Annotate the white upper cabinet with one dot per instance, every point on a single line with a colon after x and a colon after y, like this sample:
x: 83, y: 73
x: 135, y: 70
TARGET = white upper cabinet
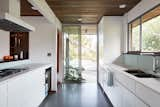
x: 110, y: 32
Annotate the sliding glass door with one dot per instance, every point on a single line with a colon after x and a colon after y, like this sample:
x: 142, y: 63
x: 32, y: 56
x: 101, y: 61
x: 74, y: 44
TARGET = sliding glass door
x: 89, y: 52
x: 80, y: 51
x: 72, y: 35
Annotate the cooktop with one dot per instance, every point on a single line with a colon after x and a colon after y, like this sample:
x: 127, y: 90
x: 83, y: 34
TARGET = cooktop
x: 7, y: 72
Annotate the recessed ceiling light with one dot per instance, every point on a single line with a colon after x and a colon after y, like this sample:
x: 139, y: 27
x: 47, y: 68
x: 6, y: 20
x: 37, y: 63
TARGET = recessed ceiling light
x: 79, y: 19
x: 34, y: 8
x: 122, y: 6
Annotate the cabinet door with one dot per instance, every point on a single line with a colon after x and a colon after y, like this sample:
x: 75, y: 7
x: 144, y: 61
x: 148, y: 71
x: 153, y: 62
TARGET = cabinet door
x: 115, y: 93
x: 118, y: 93
x: 148, y: 95
x: 139, y: 103
x: 130, y: 100
x: 27, y: 90
x: 17, y: 89
x: 3, y: 94
x: 38, y: 86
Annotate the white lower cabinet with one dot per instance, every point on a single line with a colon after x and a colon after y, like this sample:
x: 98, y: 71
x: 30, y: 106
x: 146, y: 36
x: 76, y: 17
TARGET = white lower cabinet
x: 119, y: 95
x: 130, y: 100
x: 38, y: 86
x: 148, y: 95
x: 114, y: 93
x: 27, y: 90
x: 17, y: 92
x: 3, y: 94
x: 139, y: 103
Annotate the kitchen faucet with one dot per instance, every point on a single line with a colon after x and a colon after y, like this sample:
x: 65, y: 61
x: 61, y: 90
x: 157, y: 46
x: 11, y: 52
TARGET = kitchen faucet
x: 156, y: 65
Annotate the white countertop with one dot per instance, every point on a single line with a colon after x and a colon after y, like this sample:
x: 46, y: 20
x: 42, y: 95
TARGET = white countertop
x: 29, y: 67
x: 152, y: 83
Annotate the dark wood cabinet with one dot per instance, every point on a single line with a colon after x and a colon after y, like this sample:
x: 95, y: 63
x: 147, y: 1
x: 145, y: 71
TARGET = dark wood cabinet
x: 19, y: 44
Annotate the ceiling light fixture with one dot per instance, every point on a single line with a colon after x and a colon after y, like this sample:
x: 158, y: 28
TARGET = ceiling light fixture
x: 122, y: 6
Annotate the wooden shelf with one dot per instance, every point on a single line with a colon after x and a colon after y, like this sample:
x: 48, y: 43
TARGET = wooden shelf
x: 19, y: 41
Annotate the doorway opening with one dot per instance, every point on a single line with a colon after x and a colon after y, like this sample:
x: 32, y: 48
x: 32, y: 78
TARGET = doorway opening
x: 80, y: 53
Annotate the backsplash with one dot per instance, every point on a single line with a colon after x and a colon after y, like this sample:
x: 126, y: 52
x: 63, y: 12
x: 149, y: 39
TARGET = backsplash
x: 140, y: 61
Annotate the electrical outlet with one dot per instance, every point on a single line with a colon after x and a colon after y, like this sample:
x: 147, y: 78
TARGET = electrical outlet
x: 49, y: 54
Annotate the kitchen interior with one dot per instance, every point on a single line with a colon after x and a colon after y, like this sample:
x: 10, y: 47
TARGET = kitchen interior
x: 32, y: 62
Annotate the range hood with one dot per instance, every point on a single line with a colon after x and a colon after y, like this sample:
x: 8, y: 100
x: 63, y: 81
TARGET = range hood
x: 10, y: 19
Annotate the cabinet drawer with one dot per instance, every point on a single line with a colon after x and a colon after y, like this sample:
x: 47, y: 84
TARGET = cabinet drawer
x: 140, y: 103
x: 125, y: 81
x: 148, y: 95
x: 130, y: 100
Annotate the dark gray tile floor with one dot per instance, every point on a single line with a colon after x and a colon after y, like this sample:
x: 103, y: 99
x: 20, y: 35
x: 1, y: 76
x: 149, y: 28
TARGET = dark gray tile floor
x: 77, y: 95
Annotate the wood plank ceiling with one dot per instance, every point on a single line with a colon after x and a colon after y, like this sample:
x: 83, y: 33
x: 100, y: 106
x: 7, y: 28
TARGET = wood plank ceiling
x: 90, y: 11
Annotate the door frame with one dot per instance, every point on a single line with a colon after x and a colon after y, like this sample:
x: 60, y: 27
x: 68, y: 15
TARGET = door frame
x: 97, y: 49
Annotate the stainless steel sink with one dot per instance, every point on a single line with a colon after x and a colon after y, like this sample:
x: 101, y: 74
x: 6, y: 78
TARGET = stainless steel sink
x: 140, y: 73
x: 131, y: 71
x: 146, y: 76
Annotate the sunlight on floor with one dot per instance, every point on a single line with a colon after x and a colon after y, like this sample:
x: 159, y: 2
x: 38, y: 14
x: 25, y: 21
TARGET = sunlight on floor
x: 90, y: 76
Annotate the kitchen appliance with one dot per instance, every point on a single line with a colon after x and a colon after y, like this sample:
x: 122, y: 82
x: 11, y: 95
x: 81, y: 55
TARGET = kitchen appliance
x: 48, y: 80
x: 10, y: 71
x: 10, y: 19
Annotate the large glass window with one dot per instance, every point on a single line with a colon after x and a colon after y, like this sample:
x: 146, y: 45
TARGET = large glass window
x: 146, y: 27
x: 134, y: 41
x: 151, y: 31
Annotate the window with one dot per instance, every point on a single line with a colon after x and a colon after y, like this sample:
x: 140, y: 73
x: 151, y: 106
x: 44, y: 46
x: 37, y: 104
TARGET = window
x: 134, y: 41
x: 144, y: 33
x: 151, y: 31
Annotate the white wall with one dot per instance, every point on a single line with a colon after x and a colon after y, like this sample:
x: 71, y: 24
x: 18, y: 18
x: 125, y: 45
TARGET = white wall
x: 4, y: 43
x: 42, y: 41
x: 110, y: 27
x: 138, y: 10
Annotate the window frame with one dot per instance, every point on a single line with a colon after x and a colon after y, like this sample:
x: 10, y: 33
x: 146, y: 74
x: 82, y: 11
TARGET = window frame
x: 140, y: 35
x: 140, y: 41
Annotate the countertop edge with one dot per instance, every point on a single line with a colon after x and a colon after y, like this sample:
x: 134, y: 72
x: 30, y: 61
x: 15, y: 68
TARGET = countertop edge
x: 36, y: 66
x: 143, y: 81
